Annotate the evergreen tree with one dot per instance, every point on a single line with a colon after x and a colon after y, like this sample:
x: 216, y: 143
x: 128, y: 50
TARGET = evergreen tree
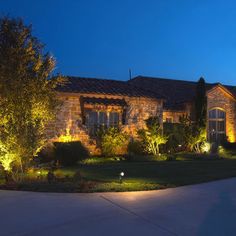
x: 201, y: 104
x: 28, y: 98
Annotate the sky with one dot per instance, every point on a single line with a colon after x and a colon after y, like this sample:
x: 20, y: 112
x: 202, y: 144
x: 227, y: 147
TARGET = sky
x: 178, y: 39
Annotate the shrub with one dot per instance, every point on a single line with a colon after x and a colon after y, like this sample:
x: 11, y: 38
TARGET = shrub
x: 152, y: 137
x: 70, y: 153
x: 190, y: 136
x: 135, y: 148
x: 47, y: 154
x: 113, y: 142
x: 174, y: 132
x: 228, y: 153
x: 229, y: 146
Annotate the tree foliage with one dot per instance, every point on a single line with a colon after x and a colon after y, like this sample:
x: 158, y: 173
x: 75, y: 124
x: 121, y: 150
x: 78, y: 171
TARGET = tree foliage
x: 201, y: 104
x: 152, y: 137
x: 113, y: 141
x: 194, y: 137
x: 28, y: 100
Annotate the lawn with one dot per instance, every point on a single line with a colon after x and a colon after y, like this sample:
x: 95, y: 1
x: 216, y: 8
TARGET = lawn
x: 156, y: 175
x: 138, y: 176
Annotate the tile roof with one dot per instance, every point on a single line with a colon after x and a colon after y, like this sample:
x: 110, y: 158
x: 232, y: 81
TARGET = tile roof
x: 104, y: 101
x: 104, y: 86
x: 176, y: 92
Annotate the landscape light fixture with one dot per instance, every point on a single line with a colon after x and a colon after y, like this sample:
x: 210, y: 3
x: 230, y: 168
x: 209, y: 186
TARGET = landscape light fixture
x: 121, y: 176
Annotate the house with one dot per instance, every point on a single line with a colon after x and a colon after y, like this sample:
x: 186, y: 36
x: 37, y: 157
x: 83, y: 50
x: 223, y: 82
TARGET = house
x: 89, y: 103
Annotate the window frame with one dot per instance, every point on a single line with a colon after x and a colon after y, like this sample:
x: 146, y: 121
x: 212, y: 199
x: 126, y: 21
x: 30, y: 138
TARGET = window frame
x: 103, y: 120
x: 217, y: 134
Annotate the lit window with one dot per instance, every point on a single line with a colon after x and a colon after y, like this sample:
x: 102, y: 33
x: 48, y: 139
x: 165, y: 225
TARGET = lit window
x: 216, y: 125
x: 96, y: 120
x: 113, y: 119
x: 102, y: 118
x: 169, y: 120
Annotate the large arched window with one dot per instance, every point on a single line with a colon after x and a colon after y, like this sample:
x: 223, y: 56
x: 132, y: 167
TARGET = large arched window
x: 216, y: 125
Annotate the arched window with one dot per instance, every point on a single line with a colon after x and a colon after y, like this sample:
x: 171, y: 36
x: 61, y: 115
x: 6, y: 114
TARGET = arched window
x: 216, y: 125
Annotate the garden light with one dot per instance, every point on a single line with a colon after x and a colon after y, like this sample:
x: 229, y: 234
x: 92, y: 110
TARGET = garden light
x: 121, y: 176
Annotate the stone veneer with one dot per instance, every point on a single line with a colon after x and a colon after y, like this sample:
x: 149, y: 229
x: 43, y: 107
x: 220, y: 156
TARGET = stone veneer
x: 173, y: 115
x: 69, y: 122
x: 219, y: 98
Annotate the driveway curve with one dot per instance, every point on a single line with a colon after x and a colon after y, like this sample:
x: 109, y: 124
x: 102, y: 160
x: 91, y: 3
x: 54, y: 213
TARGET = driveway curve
x: 203, y: 209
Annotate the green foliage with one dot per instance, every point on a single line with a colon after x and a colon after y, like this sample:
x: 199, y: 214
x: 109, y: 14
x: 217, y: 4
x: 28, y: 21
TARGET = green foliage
x: 194, y: 137
x: 28, y: 98
x: 175, y: 134
x: 152, y: 137
x: 201, y: 104
x: 46, y: 154
x: 113, y: 142
x: 227, y: 151
x: 70, y: 153
x: 7, y: 159
x: 101, y: 160
x: 135, y: 147
x: 197, y: 140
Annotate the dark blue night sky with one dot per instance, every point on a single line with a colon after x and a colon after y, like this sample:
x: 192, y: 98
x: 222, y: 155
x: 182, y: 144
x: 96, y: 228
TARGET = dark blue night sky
x: 179, y: 39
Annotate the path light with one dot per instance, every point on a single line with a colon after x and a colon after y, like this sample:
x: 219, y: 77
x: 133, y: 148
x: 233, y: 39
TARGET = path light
x: 121, y: 176
x: 38, y: 174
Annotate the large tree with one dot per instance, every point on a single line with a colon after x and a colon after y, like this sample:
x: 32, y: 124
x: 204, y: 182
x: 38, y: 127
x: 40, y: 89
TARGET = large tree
x: 201, y: 104
x: 27, y: 95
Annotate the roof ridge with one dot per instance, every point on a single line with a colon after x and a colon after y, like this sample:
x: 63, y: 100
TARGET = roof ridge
x: 161, y: 78
x: 170, y: 79
x: 105, y: 86
x: 93, y: 78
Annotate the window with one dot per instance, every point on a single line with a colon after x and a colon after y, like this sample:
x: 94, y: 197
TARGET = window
x: 113, y: 119
x: 101, y: 119
x: 169, y: 120
x: 216, y: 125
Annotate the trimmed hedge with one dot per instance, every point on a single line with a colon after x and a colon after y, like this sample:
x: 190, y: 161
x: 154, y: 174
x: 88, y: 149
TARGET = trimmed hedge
x: 69, y: 153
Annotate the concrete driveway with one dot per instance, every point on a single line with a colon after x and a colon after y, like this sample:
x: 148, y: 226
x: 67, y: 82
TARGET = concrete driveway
x: 203, y: 209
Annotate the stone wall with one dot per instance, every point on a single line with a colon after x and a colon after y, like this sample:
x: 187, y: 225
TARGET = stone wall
x: 173, y: 115
x: 219, y: 98
x: 68, y: 125
x: 139, y: 110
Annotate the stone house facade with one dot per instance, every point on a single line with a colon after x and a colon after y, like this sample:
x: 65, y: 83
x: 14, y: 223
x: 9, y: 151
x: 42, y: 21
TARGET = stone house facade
x: 88, y: 104
x: 179, y: 99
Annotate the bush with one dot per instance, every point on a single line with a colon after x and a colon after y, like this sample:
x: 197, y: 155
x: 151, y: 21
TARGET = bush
x: 226, y: 152
x: 174, y: 132
x: 113, y: 142
x: 152, y: 137
x: 70, y: 153
x: 47, y: 154
x: 229, y: 146
x: 135, y: 147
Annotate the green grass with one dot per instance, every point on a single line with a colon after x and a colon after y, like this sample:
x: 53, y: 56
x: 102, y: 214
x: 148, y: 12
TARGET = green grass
x: 138, y: 175
x: 175, y: 173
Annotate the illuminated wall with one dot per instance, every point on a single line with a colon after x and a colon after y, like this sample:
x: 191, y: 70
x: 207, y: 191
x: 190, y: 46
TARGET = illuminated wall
x: 173, y: 116
x: 219, y: 98
x: 69, y: 124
